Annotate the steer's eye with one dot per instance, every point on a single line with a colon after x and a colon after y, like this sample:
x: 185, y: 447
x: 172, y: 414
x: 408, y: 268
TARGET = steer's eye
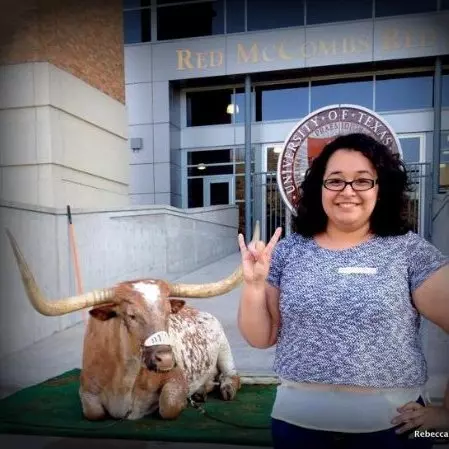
x: 132, y: 316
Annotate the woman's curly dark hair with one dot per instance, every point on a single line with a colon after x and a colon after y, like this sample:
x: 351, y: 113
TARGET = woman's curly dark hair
x: 388, y: 217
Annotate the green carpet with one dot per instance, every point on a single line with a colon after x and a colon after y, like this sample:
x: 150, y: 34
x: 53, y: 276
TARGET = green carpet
x: 53, y: 408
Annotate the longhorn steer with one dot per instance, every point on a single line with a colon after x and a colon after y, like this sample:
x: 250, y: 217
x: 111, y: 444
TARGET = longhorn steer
x: 144, y: 349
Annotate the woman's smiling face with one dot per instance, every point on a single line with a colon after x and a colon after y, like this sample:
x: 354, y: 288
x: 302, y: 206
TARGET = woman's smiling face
x: 349, y: 209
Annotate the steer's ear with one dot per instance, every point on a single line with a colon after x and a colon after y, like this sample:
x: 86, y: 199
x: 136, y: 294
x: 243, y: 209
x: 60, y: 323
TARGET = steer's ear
x: 176, y: 305
x: 103, y: 313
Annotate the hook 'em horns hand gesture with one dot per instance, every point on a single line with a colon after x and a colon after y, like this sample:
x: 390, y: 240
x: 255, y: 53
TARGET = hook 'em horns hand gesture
x: 256, y: 258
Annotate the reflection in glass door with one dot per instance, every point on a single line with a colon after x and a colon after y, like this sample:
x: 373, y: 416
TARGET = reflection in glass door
x: 218, y: 190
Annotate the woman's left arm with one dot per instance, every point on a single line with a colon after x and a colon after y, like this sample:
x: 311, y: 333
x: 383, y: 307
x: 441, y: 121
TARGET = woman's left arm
x: 431, y: 298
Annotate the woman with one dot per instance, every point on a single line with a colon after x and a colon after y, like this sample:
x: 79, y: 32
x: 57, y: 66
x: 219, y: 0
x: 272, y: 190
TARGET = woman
x: 341, y: 298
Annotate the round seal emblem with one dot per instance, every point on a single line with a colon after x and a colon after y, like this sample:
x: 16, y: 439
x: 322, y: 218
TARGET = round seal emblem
x: 311, y: 134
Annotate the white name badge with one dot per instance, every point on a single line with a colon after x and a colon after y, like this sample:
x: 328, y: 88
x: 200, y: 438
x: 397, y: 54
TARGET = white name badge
x: 357, y: 270
x: 159, y: 338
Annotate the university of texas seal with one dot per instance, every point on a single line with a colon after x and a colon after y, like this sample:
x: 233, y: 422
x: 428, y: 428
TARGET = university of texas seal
x: 309, y: 136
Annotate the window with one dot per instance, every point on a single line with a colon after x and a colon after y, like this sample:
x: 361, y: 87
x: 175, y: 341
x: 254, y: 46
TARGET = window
x: 129, y: 4
x: 235, y: 16
x: 269, y: 14
x: 238, y: 99
x: 444, y: 147
x: 136, y: 21
x: 195, y: 195
x: 289, y: 101
x: 400, y: 93
x: 209, y: 163
x: 204, y: 163
x: 399, y: 7
x: 208, y: 107
x: 410, y: 149
x: 325, y: 11
x: 209, y: 157
x: 445, y: 90
x: 217, y: 177
x: 204, y: 18
x: 204, y: 167
x: 444, y: 4
x: 325, y: 93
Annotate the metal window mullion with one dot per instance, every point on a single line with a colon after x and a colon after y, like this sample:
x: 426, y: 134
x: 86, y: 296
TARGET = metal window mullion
x: 153, y: 19
x: 437, y: 88
x: 184, y: 181
x: 246, y: 15
x: 225, y: 17
x: 309, y: 96
x: 305, y: 12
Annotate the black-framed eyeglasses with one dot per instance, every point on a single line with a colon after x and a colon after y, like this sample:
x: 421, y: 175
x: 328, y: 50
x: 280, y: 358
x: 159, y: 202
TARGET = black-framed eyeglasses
x: 359, y: 185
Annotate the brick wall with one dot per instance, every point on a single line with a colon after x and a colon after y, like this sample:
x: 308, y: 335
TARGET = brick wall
x: 82, y: 37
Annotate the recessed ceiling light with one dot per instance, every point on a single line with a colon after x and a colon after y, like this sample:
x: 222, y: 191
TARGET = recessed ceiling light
x: 232, y: 109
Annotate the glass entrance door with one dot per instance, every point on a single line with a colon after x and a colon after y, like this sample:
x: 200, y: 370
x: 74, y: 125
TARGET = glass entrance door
x: 218, y: 190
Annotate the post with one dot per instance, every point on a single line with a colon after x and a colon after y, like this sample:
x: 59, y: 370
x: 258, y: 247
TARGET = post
x: 437, y: 125
x: 436, y: 153
x: 248, y: 203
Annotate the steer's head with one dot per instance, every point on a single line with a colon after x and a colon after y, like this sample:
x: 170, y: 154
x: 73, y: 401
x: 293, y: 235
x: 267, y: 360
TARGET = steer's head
x: 144, y: 308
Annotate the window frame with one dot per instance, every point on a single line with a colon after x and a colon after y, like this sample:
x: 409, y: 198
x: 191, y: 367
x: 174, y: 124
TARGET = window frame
x: 299, y: 80
x: 185, y: 169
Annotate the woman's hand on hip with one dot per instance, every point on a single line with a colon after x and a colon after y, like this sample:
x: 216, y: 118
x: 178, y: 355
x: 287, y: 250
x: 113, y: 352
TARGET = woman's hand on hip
x: 415, y: 416
x: 256, y: 258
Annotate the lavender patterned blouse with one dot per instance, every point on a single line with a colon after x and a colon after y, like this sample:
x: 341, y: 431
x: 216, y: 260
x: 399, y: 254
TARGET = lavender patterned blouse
x: 347, y: 316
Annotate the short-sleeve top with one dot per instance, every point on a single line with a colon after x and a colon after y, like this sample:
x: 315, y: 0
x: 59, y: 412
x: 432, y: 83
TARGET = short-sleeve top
x: 347, y: 316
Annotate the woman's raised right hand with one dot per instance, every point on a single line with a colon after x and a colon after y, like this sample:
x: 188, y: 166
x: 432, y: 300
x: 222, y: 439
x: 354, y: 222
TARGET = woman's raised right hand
x: 256, y: 258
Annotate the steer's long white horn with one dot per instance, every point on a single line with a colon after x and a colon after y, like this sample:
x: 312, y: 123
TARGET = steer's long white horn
x: 214, y: 288
x: 61, y: 306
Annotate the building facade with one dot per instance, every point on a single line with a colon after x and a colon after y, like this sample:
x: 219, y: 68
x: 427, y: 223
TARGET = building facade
x: 105, y: 104
x: 62, y: 104
x: 193, y: 67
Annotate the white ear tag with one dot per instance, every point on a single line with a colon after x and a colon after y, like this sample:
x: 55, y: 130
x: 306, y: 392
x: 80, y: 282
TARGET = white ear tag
x: 159, y: 338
